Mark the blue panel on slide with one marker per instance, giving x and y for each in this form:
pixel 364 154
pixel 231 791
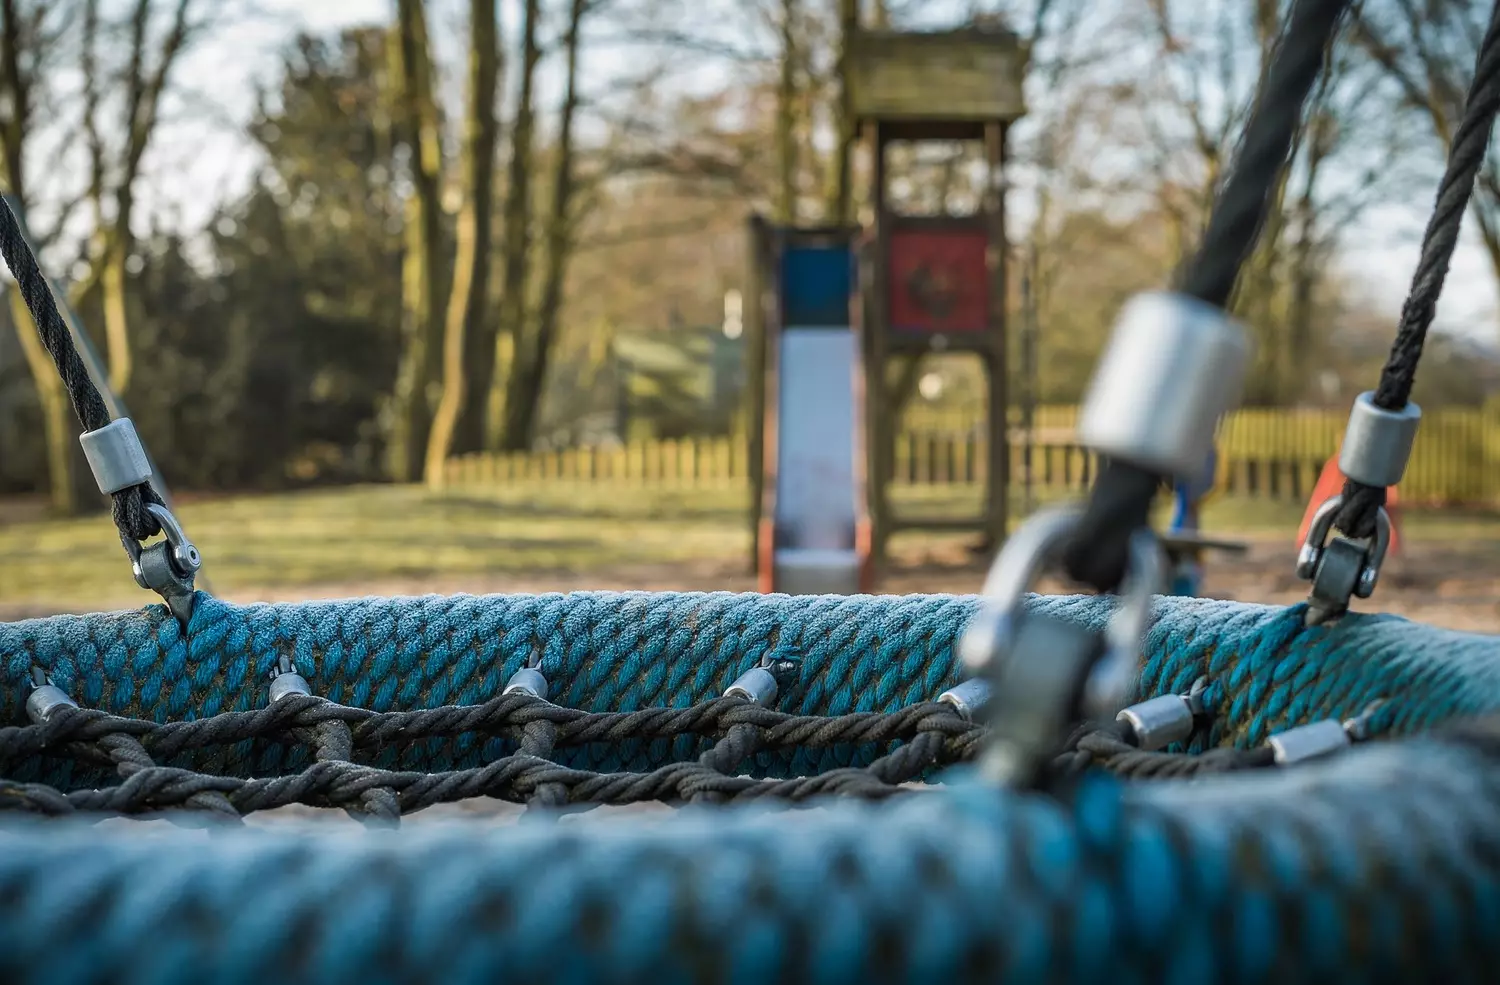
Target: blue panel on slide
pixel 816 282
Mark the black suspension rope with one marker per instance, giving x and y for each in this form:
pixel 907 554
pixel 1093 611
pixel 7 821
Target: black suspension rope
pixel 129 505
pixel 1356 517
pixel 1120 502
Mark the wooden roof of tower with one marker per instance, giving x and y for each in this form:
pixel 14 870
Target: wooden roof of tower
pixel 937 85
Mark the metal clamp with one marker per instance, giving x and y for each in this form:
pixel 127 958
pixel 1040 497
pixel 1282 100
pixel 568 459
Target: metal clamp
pixel 167 567
pixel 1317 739
pixel 1046 673
pixel 762 683
pixel 45 697
pixel 968 698
pixel 286 680
pixel 1341 567
pixel 1157 723
pixel 529 680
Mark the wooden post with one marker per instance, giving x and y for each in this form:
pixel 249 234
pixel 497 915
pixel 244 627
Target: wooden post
pixel 880 421
pixel 756 281
pixel 998 487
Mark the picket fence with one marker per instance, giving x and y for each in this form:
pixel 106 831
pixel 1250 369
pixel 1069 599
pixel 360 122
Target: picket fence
pixel 1272 454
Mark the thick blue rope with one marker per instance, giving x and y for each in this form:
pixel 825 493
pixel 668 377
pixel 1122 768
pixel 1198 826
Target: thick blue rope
pixel 614 652
pixel 1383 866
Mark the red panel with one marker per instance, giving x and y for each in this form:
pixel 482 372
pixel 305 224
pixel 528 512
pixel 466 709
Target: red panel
pixel 938 281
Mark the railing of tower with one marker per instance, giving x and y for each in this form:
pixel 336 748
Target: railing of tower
pixel 1051 789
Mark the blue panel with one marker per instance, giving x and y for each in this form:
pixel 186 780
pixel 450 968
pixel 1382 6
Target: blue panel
pixel 816 282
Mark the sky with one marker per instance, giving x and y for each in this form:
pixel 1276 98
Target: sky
pixel 194 164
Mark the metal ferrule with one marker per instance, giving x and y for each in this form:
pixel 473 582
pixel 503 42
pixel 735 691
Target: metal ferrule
pixel 756 684
pixel 46 699
pixel 529 681
pixel 1160 722
pixel 1173 366
pixel 968 698
pixel 286 680
pixel 1310 741
pixel 1378 442
pixel 116 456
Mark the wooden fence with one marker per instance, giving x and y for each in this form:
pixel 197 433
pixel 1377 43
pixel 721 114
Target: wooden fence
pixel 1274 454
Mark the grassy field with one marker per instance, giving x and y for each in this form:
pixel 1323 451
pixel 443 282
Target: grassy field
pixel 387 539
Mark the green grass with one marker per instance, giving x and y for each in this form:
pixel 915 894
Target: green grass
pixel 374 533
pixel 380 532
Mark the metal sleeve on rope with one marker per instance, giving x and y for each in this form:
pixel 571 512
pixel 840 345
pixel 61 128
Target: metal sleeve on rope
pixel 116 456
pixel 969 698
pixel 764 683
pixel 1173 366
pixel 1159 721
pixel 286 681
pixel 1378 442
pixel 45 697
pixel 1321 738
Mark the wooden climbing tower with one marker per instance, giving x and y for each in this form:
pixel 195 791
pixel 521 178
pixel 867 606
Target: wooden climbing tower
pixel 934 283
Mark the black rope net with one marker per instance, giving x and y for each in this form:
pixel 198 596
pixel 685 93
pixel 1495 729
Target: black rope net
pixel 918 743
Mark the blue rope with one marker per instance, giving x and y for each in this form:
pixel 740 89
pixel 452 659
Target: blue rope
pixel 1383 866
pixel 619 652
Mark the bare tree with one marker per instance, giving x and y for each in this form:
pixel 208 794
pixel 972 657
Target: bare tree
pixel 524 391
pixel 143 82
pixel 417 372
pixel 465 342
pixel 29 44
pixel 1427 51
pixel 516 249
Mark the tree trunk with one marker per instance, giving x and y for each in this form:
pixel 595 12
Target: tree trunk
pixel 57 419
pixel 840 206
pixel 143 91
pixel 411 411
pixel 786 118
pixel 466 316
pixel 116 325
pixel 59 428
pixel 517 247
pixel 529 370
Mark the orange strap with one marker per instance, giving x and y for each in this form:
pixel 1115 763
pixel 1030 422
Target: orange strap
pixel 1330 484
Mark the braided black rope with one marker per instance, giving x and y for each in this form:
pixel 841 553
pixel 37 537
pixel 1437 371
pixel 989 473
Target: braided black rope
pixel 1120 502
pixel 1356 516
pixel 923 738
pixel 129 505
pixel 1108 746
